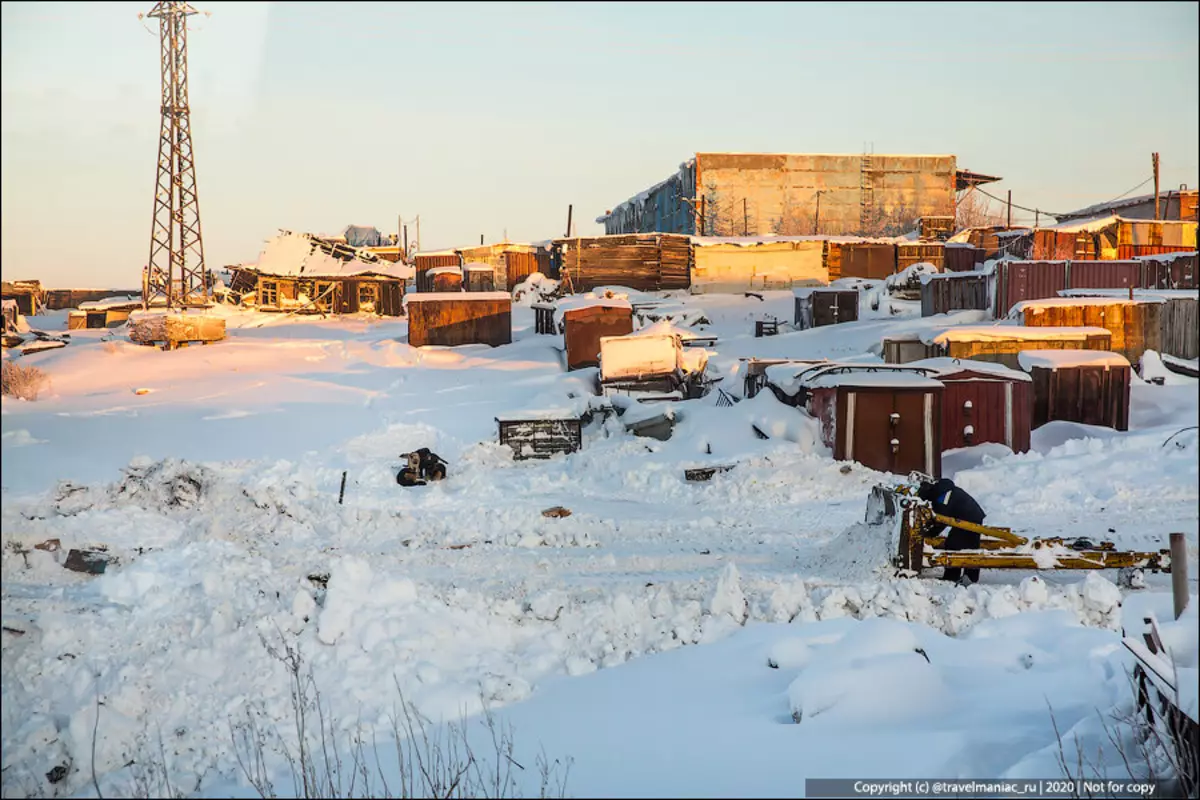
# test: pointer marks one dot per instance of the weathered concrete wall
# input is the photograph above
(777, 193)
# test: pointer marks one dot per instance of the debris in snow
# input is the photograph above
(93, 562)
(558, 512)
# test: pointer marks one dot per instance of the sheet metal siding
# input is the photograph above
(1180, 332)
(583, 327)
(972, 291)
(961, 258)
(1177, 273)
(987, 415)
(421, 264)
(870, 260)
(827, 307)
(1104, 274)
(1028, 280)
(447, 282)
(519, 266)
(1088, 395)
(480, 281)
(460, 321)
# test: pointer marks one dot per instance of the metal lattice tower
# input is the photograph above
(175, 274)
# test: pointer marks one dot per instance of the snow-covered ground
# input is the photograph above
(213, 474)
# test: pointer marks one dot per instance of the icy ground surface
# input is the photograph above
(217, 491)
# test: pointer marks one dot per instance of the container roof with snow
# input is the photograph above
(1066, 359)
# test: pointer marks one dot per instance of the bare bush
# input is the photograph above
(974, 210)
(1151, 748)
(430, 760)
(19, 381)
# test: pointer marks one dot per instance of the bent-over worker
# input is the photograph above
(948, 500)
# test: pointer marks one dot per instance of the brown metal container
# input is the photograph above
(1135, 326)
(583, 328)
(956, 292)
(869, 260)
(887, 428)
(423, 263)
(1092, 395)
(960, 257)
(818, 307)
(460, 318)
(446, 282)
(1027, 280)
(1175, 272)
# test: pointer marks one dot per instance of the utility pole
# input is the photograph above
(817, 221)
(418, 242)
(175, 238)
(745, 219)
(570, 208)
(1010, 208)
(405, 244)
(481, 240)
(1154, 162)
(399, 227)
(1037, 218)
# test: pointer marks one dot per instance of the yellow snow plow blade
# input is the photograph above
(902, 516)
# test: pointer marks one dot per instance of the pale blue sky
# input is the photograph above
(493, 117)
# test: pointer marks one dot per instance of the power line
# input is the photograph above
(1014, 205)
(1134, 189)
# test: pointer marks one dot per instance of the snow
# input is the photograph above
(891, 378)
(634, 356)
(1141, 295)
(994, 333)
(1058, 359)
(432, 297)
(1040, 306)
(752, 241)
(474, 266)
(447, 270)
(110, 302)
(635, 636)
(949, 366)
(298, 255)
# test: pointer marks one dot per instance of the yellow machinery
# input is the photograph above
(906, 516)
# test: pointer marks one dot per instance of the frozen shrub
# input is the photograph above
(22, 382)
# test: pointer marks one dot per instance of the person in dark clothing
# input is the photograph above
(949, 500)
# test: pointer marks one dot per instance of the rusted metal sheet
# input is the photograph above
(870, 260)
(1006, 351)
(423, 263)
(519, 266)
(981, 407)
(1126, 251)
(961, 257)
(1172, 272)
(583, 327)
(819, 307)
(1027, 280)
(445, 281)
(1134, 327)
(946, 293)
(459, 318)
(1104, 274)
(1052, 245)
(890, 429)
(1092, 395)
(920, 253)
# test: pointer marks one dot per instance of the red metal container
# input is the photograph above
(1027, 280)
(1177, 272)
(583, 327)
(1104, 274)
(979, 407)
(961, 258)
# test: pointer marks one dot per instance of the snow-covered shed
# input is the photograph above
(885, 418)
(998, 343)
(302, 273)
(457, 318)
(1079, 386)
(511, 262)
(983, 402)
(423, 262)
(652, 361)
(110, 312)
(478, 277)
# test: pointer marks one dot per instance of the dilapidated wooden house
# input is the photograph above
(303, 274)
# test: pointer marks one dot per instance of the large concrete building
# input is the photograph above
(755, 194)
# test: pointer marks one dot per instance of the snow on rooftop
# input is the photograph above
(461, 297)
(574, 303)
(300, 256)
(474, 266)
(446, 270)
(752, 241)
(949, 366)
(1040, 306)
(1138, 294)
(892, 378)
(1000, 333)
(110, 302)
(1056, 359)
